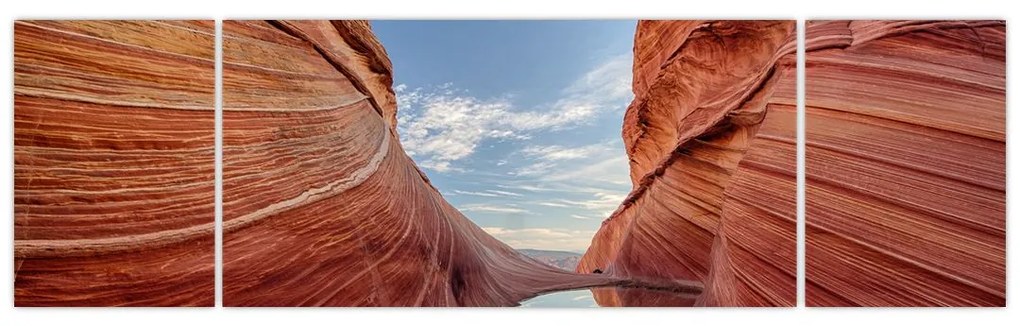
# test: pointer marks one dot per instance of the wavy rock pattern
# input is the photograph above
(906, 163)
(113, 171)
(711, 136)
(322, 207)
(113, 150)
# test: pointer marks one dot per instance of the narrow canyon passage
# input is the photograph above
(532, 163)
(355, 222)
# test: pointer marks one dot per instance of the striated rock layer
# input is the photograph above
(905, 137)
(113, 163)
(711, 136)
(322, 207)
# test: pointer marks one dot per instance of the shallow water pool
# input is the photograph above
(565, 299)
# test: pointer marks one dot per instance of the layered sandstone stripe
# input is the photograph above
(712, 146)
(322, 207)
(905, 137)
(113, 150)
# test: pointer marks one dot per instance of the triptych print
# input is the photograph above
(423, 163)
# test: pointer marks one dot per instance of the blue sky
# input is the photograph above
(517, 123)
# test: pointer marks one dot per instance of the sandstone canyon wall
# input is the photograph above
(322, 207)
(113, 163)
(905, 137)
(711, 137)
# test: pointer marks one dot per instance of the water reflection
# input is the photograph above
(565, 299)
(627, 296)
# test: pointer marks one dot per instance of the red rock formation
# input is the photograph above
(905, 163)
(322, 207)
(113, 171)
(712, 146)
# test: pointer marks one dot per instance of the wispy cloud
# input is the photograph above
(557, 153)
(444, 124)
(492, 209)
(545, 159)
(608, 170)
(488, 193)
(611, 80)
(505, 193)
(600, 204)
(442, 166)
(543, 238)
(583, 203)
(590, 181)
(534, 169)
(475, 193)
(602, 201)
(551, 204)
(526, 188)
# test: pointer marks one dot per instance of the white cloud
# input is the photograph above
(543, 238)
(611, 79)
(489, 193)
(440, 166)
(601, 202)
(534, 169)
(557, 153)
(594, 178)
(545, 159)
(599, 206)
(579, 184)
(443, 124)
(551, 204)
(473, 193)
(492, 209)
(611, 170)
(505, 193)
(527, 188)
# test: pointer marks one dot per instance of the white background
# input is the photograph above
(480, 9)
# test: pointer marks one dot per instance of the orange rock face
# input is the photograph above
(113, 151)
(905, 138)
(711, 136)
(322, 207)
